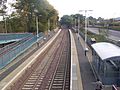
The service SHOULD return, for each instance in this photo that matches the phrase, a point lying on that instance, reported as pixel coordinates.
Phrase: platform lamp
(78, 26)
(85, 48)
(48, 27)
(75, 25)
(37, 28)
(79, 23)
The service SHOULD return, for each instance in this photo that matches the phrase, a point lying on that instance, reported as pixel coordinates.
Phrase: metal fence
(11, 36)
(12, 45)
(10, 54)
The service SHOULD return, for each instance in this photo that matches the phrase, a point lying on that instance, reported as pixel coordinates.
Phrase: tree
(92, 20)
(3, 8)
(69, 20)
(66, 20)
(26, 13)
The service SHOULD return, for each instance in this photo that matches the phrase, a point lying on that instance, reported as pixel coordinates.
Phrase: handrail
(13, 45)
(114, 87)
(14, 51)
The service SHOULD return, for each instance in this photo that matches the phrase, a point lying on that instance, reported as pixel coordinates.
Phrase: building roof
(106, 50)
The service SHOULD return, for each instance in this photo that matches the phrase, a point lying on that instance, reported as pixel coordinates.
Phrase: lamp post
(75, 25)
(85, 32)
(86, 23)
(79, 22)
(48, 27)
(78, 25)
(37, 27)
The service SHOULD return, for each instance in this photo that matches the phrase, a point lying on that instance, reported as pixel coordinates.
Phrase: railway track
(52, 69)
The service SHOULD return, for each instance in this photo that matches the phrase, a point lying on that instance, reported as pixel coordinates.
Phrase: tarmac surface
(76, 81)
(112, 34)
(85, 68)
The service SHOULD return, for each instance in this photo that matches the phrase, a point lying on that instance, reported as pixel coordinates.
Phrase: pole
(85, 31)
(75, 24)
(86, 49)
(37, 30)
(78, 25)
(48, 25)
(37, 26)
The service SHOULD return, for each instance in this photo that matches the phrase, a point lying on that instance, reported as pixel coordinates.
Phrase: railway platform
(91, 77)
(76, 81)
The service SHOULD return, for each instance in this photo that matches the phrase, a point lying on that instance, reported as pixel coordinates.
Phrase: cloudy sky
(101, 8)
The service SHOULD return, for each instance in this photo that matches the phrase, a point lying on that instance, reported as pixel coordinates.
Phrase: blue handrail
(10, 55)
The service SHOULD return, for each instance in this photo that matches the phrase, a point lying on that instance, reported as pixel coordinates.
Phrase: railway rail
(51, 71)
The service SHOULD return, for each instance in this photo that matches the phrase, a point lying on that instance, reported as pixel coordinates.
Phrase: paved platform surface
(76, 81)
(85, 68)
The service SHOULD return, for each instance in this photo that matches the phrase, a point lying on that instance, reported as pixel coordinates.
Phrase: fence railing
(13, 45)
(114, 87)
(11, 36)
(13, 51)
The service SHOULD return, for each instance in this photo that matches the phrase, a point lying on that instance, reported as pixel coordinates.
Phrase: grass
(117, 28)
(99, 38)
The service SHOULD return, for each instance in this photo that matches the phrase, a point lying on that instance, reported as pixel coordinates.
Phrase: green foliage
(23, 19)
(98, 38)
(3, 12)
(69, 20)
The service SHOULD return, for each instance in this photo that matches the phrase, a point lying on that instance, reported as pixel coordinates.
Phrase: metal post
(37, 26)
(86, 49)
(78, 25)
(85, 31)
(37, 30)
(48, 25)
(75, 24)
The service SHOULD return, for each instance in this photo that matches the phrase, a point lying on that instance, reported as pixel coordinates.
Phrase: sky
(101, 8)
